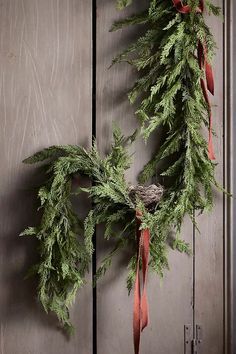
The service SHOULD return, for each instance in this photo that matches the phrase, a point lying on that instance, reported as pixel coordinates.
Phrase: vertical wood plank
(45, 99)
(170, 302)
(231, 11)
(209, 245)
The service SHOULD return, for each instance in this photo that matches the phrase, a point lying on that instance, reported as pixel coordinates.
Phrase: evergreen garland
(169, 95)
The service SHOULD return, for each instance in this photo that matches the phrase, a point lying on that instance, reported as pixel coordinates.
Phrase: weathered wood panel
(231, 10)
(45, 99)
(170, 302)
(209, 245)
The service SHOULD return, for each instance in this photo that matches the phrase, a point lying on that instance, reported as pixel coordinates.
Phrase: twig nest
(150, 195)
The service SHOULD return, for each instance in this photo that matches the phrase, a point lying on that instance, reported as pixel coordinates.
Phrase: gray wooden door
(45, 98)
(46, 72)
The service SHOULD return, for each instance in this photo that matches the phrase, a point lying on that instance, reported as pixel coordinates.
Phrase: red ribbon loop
(203, 64)
(183, 9)
(186, 9)
(140, 312)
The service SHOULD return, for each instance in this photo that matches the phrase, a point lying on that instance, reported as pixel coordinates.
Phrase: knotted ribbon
(140, 312)
(186, 9)
(208, 84)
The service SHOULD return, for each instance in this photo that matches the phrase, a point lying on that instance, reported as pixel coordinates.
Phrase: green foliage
(169, 95)
(181, 246)
(121, 4)
(63, 258)
(65, 242)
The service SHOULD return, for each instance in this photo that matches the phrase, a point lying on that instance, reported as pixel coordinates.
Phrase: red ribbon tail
(209, 77)
(136, 313)
(203, 64)
(201, 5)
(210, 86)
(200, 54)
(140, 311)
(145, 260)
(211, 154)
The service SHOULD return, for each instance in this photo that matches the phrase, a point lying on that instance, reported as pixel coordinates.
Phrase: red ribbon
(208, 84)
(186, 9)
(140, 312)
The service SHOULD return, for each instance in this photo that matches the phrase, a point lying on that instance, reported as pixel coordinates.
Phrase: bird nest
(150, 195)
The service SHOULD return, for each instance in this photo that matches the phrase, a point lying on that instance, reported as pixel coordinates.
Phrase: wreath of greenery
(171, 97)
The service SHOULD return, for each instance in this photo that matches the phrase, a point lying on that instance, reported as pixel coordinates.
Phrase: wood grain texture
(209, 249)
(45, 99)
(170, 302)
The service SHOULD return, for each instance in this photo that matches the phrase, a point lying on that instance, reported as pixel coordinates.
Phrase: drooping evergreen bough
(169, 95)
